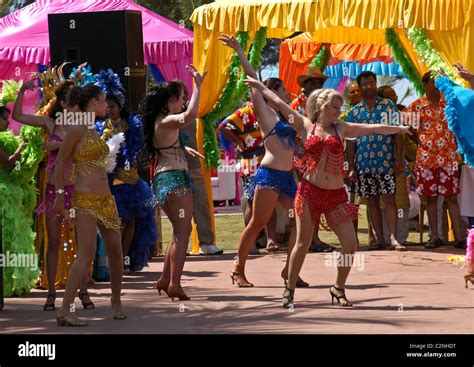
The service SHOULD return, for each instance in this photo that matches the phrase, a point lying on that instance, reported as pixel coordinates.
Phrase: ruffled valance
(307, 16)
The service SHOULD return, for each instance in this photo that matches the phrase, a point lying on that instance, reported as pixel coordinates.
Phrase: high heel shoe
(162, 286)
(288, 297)
(50, 306)
(87, 305)
(117, 309)
(339, 296)
(177, 292)
(469, 277)
(240, 279)
(70, 320)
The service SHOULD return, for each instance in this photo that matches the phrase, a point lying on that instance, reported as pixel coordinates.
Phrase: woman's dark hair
(61, 93)
(73, 96)
(124, 114)
(88, 92)
(154, 104)
(273, 83)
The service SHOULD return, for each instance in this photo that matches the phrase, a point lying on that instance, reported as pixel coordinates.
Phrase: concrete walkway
(413, 292)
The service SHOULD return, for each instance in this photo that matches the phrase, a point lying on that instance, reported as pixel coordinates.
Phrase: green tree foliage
(178, 11)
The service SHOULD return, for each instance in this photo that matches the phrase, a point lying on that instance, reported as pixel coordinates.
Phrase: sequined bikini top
(92, 155)
(326, 153)
(172, 157)
(285, 133)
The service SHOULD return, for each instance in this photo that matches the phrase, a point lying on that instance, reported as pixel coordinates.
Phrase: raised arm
(181, 120)
(7, 161)
(231, 42)
(292, 116)
(32, 120)
(350, 130)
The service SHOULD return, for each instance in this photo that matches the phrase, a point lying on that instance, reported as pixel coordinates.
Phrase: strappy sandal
(70, 320)
(240, 280)
(117, 310)
(339, 297)
(87, 305)
(288, 297)
(50, 306)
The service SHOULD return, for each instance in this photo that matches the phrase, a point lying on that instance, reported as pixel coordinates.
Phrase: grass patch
(230, 227)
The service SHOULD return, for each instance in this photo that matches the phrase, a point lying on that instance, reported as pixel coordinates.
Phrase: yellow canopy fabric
(309, 16)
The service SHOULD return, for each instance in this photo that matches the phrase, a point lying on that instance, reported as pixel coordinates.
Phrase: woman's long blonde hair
(318, 99)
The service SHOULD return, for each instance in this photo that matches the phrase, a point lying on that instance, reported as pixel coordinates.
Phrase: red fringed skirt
(327, 207)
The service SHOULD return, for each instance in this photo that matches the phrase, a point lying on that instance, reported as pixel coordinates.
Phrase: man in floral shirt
(377, 160)
(437, 160)
(242, 129)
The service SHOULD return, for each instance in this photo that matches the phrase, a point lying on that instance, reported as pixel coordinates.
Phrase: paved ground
(395, 293)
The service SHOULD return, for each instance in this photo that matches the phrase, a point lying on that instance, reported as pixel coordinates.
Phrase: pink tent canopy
(24, 38)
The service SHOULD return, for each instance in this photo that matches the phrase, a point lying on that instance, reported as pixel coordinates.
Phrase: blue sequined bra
(285, 133)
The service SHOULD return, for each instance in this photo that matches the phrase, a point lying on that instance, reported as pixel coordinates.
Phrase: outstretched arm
(181, 120)
(350, 130)
(32, 120)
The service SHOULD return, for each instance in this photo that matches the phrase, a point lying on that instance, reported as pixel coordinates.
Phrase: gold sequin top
(91, 156)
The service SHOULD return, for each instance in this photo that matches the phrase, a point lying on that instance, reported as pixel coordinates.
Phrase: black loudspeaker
(111, 39)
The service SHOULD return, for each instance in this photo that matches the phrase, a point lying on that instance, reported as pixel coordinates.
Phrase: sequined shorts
(282, 182)
(46, 206)
(176, 182)
(99, 206)
(327, 207)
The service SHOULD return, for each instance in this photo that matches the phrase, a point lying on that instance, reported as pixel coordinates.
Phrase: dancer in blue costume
(273, 181)
(134, 198)
(19, 160)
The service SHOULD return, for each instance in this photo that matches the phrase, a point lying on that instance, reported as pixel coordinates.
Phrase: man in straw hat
(309, 82)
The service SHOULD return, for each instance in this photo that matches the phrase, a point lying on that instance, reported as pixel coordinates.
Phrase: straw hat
(313, 73)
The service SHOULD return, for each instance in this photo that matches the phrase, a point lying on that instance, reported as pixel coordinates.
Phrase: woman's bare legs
(287, 204)
(53, 226)
(304, 237)
(86, 230)
(179, 210)
(113, 245)
(346, 234)
(263, 207)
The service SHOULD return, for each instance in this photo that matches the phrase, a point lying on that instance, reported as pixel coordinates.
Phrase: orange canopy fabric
(298, 52)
